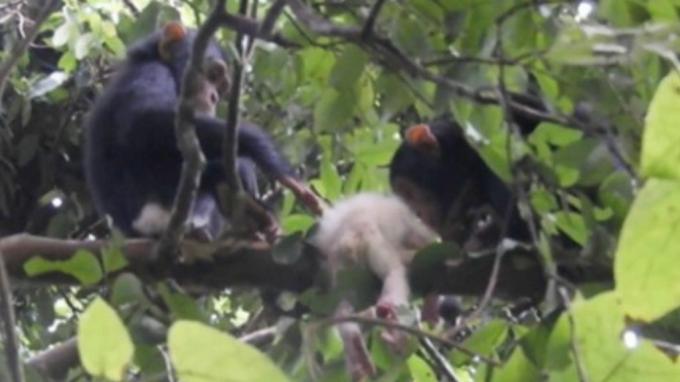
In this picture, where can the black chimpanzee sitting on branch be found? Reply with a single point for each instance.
(132, 161)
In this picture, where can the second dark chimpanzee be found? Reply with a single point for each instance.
(440, 176)
(132, 161)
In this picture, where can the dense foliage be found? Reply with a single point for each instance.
(599, 177)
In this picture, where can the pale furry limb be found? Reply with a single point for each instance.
(381, 233)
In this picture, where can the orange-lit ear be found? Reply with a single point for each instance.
(173, 31)
(421, 136)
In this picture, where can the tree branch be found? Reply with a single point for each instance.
(230, 144)
(254, 29)
(55, 362)
(226, 263)
(269, 21)
(234, 262)
(187, 140)
(318, 24)
(410, 330)
(372, 17)
(16, 371)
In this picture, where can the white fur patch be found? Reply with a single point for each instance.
(152, 220)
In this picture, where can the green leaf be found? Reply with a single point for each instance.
(517, 368)
(83, 266)
(64, 34)
(115, 45)
(333, 109)
(552, 134)
(574, 47)
(128, 289)
(67, 62)
(113, 259)
(348, 68)
(104, 345)
(317, 64)
(483, 342)
(598, 326)
(395, 96)
(646, 267)
(543, 201)
(616, 11)
(616, 192)
(83, 45)
(420, 370)
(354, 179)
(330, 178)
(573, 224)
(182, 306)
(200, 353)
(296, 223)
(661, 140)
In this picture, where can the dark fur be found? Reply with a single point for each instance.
(445, 174)
(131, 154)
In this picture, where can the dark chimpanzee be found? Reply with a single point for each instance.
(439, 175)
(132, 161)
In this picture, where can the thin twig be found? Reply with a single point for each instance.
(441, 362)
(372, 17)
(187, 140)
(132, 7)
(393, 55)
(254, 7)
(230, 143)
(7, 315)
(493, 277)
(20, 48)
(269, 21)
(582, 375)
(259, 336)
(407, 329)
(548, 261)
(252, 28)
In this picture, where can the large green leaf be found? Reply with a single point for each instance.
(602, 355)
(517, 368)
(661, 141)
(203, 354)
(104, 345)
(333, 109)
(348, 68)
(484, 341)
(83, 265)
(646, 267)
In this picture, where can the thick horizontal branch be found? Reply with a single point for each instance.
(223, 264)
(55, 362)
(250, 263)
(263, 31)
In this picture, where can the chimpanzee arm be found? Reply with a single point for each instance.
(153, 130)
(255, 144)
(258, 146)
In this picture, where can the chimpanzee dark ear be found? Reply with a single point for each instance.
(173, 31)
(421, 136)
